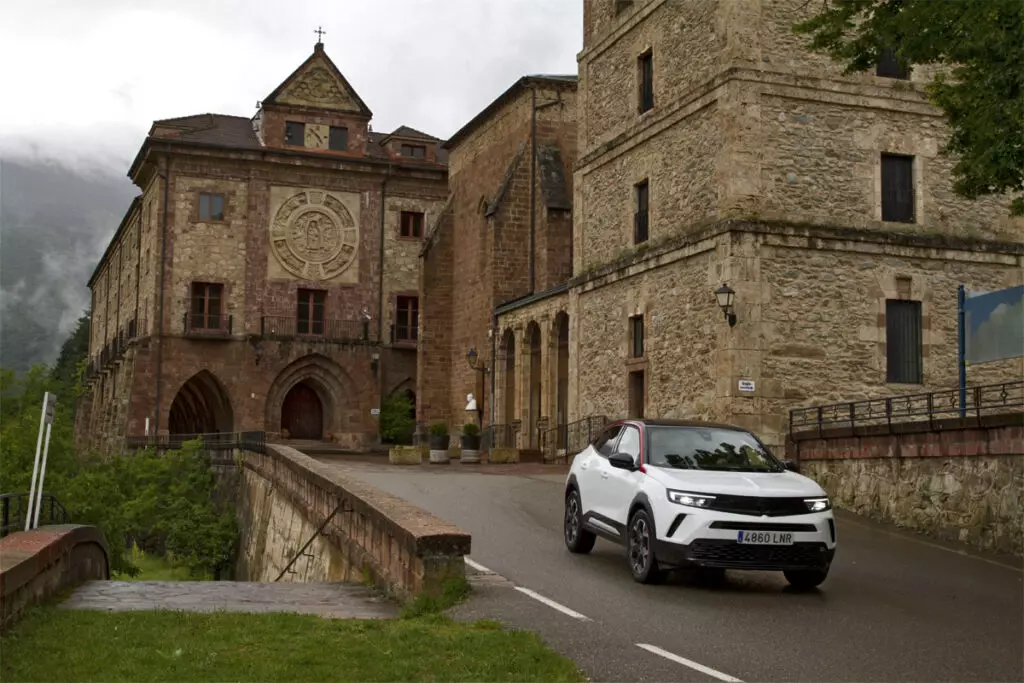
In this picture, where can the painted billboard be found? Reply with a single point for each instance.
(994, 323)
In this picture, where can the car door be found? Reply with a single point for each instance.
(595, 459)
(618, 486)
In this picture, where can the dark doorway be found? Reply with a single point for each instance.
(302, 413)
(562, 399)
(201, 406)
(536, 383)
(637, 394)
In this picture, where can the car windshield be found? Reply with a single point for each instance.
(701, 448)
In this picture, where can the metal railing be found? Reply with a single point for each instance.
(563, 440)
(14, 511)
(499, 436)
(290, 327)
(205, 325)
(255, 441)
(979, 401)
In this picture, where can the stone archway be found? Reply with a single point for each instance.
(533, 344)
(508, 346)
(561, 334)
(308, 382)
(201, 406)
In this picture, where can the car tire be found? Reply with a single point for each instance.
(577, 539)
(805, 579)
(640, 548)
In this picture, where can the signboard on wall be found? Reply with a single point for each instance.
(994, 325)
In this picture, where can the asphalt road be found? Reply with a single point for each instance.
(894, 608)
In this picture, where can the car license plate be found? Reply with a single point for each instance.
(765, 537)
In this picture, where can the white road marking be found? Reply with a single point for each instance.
(551, 603)
(687, 662)
(477, 566)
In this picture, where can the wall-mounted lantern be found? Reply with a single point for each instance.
(726, 297)
(374, 362)
(474, 361)
(366, 318)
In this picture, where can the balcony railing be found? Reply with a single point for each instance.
(290, 327)
(207, 325)
(909, 411)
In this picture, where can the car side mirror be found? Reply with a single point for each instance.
(791, 465)
(623, 461)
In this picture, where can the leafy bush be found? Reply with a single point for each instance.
(471, 429)
(396, 422)
(439, 429)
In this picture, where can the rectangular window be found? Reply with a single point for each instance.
(646, 72)
(640, 224)
(407, 319)
(889, 65)
(211, 207)
(898, 188)
(295, 133)
(636, 336)
(636, 394)
(311, 311)
(412, 224)
(338, 138)
(206, 306)
(414, 151)
(904, 350)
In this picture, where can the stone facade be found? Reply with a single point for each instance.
(763, 170)
(478, 254)
(243, 227)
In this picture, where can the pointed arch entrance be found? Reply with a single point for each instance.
(201, 406)
(302, 413)
(533, 343)
(508, 345)
(562, 377)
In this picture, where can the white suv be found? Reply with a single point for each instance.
(697, 494)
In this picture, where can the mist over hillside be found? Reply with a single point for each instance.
(55, 223)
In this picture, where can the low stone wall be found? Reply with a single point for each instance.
(955, 484)
(286, 497)
(36, 565)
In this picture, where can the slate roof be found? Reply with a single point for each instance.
(409, 132)
(210, 129)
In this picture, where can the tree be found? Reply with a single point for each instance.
(980, 44)
(72, 352)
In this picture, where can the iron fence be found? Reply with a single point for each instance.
(291, 327)
(255, 441)
(978, 402)
(14, 511)
(563, 440)
(499, 436)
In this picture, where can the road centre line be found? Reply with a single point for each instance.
(552, 604)
(688, 662)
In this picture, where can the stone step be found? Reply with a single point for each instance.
(330, 600)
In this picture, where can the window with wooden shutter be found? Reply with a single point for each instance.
(407, 318)
(310, 318)
(904, 348)
(898, 188)
(206, 306)
(411, 224)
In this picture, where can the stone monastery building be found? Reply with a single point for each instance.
(558, 257)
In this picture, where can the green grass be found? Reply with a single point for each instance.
(453, 592)
(51, 644)
(155, 568)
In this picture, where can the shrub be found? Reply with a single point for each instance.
(396, 422)
(471, 429)
(439, 429)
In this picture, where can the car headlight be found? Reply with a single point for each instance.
(818, 504)
(696, 500)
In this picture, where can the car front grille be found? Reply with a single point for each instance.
(731, 554)
(753, 505)
(762, 526)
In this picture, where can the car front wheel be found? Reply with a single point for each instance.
(642, 562)
(577, 539)
(805, 579)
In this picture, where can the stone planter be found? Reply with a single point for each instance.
(470, 448)
(439, 449)
(405, 455)
(502, 456)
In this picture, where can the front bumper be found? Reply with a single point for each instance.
(708, 538)
(728, 554)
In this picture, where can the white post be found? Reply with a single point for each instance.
(147, 427)
(42, 476)
(35, 465)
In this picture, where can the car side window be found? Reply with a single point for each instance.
(629, 443)
(605, 443)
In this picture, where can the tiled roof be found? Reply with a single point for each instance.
(210, 129)
(409, 132)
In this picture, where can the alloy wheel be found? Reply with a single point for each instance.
(639, 545)
(572, 519)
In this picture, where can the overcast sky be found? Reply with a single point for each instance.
(83, 79)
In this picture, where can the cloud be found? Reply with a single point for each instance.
(94, 75)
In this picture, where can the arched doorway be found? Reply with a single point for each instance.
(562, 378)
(302, 413)
(201, 406)
(536, 381)
(508, 345)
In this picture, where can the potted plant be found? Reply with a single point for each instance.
(470, 443)
(439, 441)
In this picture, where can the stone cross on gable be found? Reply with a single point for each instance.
(319, 34)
